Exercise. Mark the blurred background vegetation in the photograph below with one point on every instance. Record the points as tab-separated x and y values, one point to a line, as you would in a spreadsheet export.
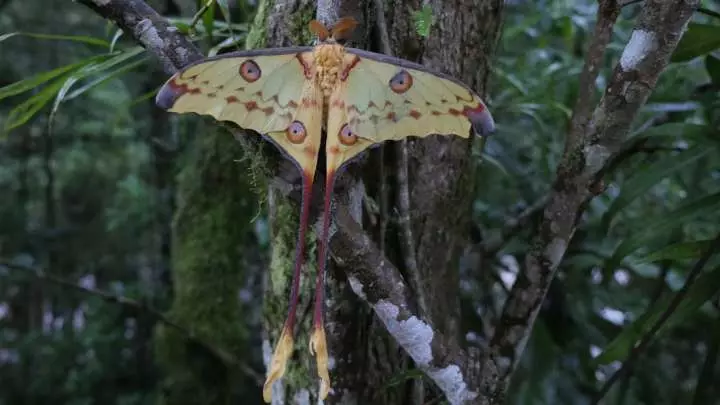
89	168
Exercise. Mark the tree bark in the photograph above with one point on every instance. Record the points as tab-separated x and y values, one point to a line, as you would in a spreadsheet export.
365	357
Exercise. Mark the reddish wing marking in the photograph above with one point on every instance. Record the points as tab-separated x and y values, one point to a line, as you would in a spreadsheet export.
169	93
344	74
306	69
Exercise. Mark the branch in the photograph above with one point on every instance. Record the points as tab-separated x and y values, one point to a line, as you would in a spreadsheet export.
514	225
143	24
374	279
328	11
141	307
608	12
653	40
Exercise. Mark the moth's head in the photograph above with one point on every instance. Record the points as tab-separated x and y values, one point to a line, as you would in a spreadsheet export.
339	32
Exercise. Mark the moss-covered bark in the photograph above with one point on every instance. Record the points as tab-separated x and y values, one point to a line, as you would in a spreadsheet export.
212	232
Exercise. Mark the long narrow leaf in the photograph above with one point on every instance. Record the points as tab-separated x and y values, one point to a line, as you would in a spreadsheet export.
35	81
675	129
651	175
104	78
650	228
93	69
27	109
704	288
678	251
74	38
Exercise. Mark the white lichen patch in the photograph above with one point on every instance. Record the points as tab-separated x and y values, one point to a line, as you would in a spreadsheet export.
148	35
595	158
555	251
640	45
357	287
302	397
412	334
450	380
101	2
266	352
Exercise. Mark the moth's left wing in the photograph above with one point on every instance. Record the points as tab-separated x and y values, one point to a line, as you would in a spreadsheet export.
384	98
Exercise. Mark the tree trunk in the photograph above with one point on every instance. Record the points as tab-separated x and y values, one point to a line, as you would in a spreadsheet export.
367	365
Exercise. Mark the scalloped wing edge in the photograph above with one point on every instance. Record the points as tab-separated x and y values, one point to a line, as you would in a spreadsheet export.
480	117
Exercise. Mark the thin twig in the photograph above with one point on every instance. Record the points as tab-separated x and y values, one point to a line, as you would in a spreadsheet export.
607	13
706	379
403	198
708	12
385	45
638	349
223	355
514	225
403	201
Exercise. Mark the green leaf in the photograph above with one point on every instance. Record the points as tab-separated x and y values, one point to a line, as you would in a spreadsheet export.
74	38
648	229
104	78
712	65
699	39
27	109
649	176
95	68
35	81
704	288
512	80
226	43
208	17
678	251
403	377
423	20
674	129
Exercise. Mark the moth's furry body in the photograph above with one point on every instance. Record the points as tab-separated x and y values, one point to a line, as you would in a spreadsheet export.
328	59
360	98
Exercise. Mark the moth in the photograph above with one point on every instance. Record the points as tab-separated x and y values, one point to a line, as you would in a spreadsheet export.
359	99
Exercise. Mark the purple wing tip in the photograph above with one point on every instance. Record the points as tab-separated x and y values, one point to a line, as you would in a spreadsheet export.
168	94
482	121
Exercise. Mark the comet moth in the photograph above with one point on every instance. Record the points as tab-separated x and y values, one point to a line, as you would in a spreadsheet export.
357	98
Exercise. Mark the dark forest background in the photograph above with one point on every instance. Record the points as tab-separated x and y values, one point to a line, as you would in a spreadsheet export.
96	246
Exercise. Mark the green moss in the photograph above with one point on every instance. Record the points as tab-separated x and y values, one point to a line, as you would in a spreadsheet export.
211	228
257	37
298	26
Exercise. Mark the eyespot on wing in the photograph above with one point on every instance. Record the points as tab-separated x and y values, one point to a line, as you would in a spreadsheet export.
250	71
296	132
401	82
346	136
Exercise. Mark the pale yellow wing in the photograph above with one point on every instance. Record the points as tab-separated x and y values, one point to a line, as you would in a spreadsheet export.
271	91
382	98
